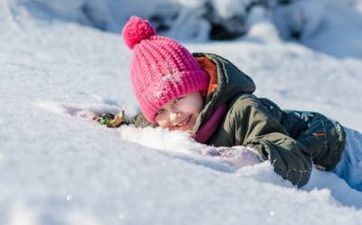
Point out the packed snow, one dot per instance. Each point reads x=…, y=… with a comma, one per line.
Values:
x=56, y=169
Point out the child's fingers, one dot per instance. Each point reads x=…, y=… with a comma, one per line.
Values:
x=85, y=115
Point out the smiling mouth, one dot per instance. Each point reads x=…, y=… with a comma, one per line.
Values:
x=183, y=122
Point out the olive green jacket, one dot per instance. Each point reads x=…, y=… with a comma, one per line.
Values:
x=291, y=140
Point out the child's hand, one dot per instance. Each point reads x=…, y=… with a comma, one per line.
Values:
x=111, y=120
x=237, y=156
x=107, y=119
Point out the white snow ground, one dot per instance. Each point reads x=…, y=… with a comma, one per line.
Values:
x=55, y=169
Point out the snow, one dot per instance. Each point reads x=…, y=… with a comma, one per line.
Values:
x=318, y=28
x=57, y=169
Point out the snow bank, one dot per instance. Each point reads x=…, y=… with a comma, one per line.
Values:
x=321, y=25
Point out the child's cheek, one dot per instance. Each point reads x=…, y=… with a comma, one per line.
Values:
x=163, y=123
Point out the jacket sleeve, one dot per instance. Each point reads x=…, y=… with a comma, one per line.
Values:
x=256, y=126
x=138, y=121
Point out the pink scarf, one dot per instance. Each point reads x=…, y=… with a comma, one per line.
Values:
x=208, y=128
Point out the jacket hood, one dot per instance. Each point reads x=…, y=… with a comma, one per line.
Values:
x=230, y=82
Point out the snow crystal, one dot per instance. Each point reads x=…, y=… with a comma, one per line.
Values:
x=69, y=198
x=160, y=88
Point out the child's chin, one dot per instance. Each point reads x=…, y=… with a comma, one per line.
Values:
x=188, y=131
x=184, y=129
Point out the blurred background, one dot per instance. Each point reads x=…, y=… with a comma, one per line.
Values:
x=313, y=23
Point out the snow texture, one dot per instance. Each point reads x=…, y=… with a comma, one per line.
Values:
x=56, y=169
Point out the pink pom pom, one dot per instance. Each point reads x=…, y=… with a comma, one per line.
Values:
x=136, y=30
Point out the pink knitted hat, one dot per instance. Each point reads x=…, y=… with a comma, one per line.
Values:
x=161, y=68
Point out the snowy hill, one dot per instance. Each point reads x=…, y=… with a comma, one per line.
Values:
x=55, y=169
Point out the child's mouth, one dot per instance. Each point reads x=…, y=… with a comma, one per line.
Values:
x=184, y=122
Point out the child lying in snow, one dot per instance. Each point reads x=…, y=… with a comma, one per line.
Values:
x=206, y=96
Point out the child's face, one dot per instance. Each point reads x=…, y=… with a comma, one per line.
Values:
x=180, y=113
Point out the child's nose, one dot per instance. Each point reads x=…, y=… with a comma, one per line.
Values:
x=174, y=116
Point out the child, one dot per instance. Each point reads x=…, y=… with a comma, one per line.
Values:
x=206, y=96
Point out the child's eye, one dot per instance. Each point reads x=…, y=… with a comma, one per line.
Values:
x=159, y=112
x=177, y=100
